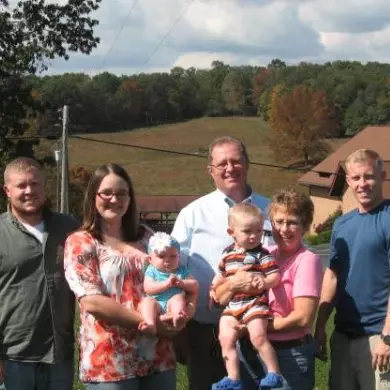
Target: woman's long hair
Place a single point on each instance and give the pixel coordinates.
(131, 229)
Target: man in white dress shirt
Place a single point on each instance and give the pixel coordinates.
(201, 229)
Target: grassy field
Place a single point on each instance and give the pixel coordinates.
(169, 174)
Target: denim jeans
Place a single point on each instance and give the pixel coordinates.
(159, 381)
(297, 365)
(38, 376)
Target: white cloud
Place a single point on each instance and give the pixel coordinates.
(157, 35)
(350, 16)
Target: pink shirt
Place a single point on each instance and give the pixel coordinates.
(300, 275)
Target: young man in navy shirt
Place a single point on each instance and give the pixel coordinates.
(357, 283)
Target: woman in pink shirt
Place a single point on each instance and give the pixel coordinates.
(293, 302)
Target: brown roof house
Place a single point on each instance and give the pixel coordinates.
(326, 181)
(160, 211)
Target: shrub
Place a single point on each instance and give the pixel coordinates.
(321, 238)
(328, 223)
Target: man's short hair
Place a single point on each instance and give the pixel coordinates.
(227, 140)
(21, 164)
(246, 210)
(364, 156)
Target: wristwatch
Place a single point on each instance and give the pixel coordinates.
(386, 338)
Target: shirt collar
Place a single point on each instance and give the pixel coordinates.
(230, 202)
(46, 212)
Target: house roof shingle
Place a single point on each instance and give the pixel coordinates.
(372, 137)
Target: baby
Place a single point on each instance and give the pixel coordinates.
(167, 283)
(247, 309)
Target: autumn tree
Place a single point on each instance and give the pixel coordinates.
(300, 121)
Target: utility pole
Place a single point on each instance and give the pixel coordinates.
(64, 208)
(57, 157)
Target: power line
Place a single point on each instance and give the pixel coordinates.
(175, 22)
(149, 148)
(118, 34)
(137, 146)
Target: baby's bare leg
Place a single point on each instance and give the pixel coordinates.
(177, 306)
(149, 309)
(257, 328)
(228, 336)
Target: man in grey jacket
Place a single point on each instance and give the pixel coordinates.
(36, 305)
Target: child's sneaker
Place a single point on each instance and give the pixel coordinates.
(227, 384)
(271, 380)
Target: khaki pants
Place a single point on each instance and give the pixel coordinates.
(351, 364)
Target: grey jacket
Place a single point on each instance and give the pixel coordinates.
(36, 304)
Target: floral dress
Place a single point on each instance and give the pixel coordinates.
(110, 352)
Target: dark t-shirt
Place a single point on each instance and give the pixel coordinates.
(360, 257)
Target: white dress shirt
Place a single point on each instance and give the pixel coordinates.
(201, 230)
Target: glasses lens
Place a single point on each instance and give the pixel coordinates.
(233, 163)
(107, 195)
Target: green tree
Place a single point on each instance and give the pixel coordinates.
(31, 32)
(129, 103)
(233, 93)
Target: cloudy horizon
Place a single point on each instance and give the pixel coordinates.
(155, 35)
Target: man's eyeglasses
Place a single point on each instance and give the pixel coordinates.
(225, 164)
(108, 195)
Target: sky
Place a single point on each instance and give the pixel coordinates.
(156, 35)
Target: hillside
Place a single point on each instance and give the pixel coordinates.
(164, 173)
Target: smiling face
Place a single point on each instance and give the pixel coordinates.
(165, 261)
(365, 180)
(228, 168)
(25, 192)
(287, 230)
(246, 231)
(112, 198)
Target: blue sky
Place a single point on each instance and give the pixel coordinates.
(155, 35)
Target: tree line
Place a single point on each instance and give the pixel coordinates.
(356, 94)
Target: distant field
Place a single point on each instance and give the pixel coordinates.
(170, 174)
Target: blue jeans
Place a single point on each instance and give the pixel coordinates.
(297, 365)
(162, 380)
(38, 376)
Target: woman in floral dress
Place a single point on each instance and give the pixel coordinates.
(104, 263)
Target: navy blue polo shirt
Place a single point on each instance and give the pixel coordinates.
(360, 257)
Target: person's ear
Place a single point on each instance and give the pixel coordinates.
(6, 190)
(347, 179)
(230, 231)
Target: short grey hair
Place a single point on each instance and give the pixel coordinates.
(227, 139)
